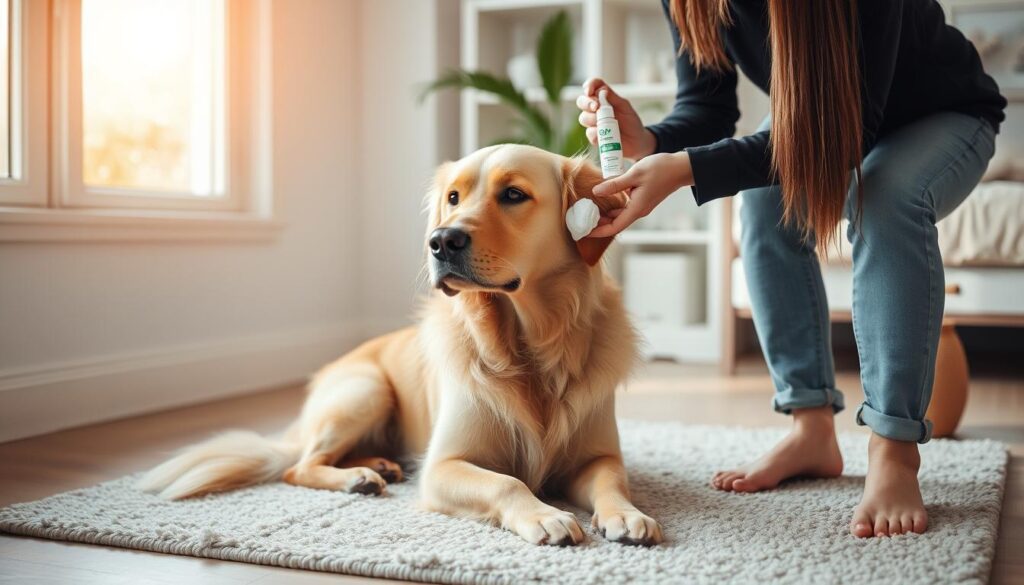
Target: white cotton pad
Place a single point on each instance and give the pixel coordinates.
(581, 219)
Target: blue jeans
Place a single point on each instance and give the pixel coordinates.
(912, 178)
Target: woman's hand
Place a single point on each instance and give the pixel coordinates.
(648, 183)
(637, 141)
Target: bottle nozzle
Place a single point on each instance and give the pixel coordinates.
(606, 110)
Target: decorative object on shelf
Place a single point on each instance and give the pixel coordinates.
(548, 128)
(996, 27)
(648, 71)
(522, 71)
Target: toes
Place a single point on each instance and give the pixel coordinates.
(652, 532)
(368, 482)
(532, 532)
(557, 533)
(389, 470)
(631, 527)
(716, 479)
(562, 530)
(861, 526)
(637, 528)
(895, 526)
(656, 535)
(920, 522)
(614, 527)
(907, 523)
(576, 531)
(723, 480)
(553, 527)
(748, 484)
(881, 526)
(729, 480)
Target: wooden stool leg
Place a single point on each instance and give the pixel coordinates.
(949, 391)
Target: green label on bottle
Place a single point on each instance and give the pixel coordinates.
(611, 146)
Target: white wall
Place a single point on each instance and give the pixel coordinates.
(404, 44)
(91, 331)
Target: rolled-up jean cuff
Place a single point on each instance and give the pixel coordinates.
(894, 427)
(792, 399)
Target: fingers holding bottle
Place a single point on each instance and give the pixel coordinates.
(637, 140)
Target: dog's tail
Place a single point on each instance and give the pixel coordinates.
(228, 461)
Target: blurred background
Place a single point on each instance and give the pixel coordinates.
(202, 198)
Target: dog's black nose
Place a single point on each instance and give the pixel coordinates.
(447, 243)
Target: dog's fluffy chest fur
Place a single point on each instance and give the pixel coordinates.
(529, 377)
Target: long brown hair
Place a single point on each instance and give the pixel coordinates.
(816, 123)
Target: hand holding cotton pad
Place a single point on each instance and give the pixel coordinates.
(582, 217)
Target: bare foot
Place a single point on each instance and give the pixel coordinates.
(810, 450)
(892, 502)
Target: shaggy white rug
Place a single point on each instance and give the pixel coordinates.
(797, 534)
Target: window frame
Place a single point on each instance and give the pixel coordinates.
(60, 207)
(29, 63)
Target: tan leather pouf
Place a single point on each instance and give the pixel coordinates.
(949, 391)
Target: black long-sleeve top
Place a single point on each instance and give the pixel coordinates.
(912, 64)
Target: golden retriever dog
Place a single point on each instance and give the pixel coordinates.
(506, 387)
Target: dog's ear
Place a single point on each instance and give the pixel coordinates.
(580, 176)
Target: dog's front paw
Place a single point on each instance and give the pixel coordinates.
(628, 527)
(364, 480)
(548, 525)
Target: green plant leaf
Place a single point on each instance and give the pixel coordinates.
(546, 139)
(554, 55)
(538, 124)
(575, 141)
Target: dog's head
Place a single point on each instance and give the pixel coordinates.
(497, 218)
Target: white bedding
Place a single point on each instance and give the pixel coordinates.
(987, 229)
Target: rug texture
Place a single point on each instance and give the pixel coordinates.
(796, 534)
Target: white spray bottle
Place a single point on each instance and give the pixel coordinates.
(583, 216)
(609, 141)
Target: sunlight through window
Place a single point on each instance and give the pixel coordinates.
(153, 79)
(5, 89)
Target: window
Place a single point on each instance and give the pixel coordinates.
(5, 91)
(159, 116)
(153, 97)
(23, 141)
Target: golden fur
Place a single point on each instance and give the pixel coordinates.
(505, 388)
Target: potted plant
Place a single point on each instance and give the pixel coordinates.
(545, 126)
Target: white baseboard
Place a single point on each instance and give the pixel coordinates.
(56, 396)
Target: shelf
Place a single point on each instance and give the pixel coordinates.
(533, 94)
(517, 5)
(664, 237)
(641, 91)
(569, 93)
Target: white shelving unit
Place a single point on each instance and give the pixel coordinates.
(614, 40)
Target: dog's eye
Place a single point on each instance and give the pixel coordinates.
(512, 196)
(453, 198)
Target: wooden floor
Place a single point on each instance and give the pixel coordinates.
(37, 467)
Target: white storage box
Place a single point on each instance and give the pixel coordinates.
(664, 289)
